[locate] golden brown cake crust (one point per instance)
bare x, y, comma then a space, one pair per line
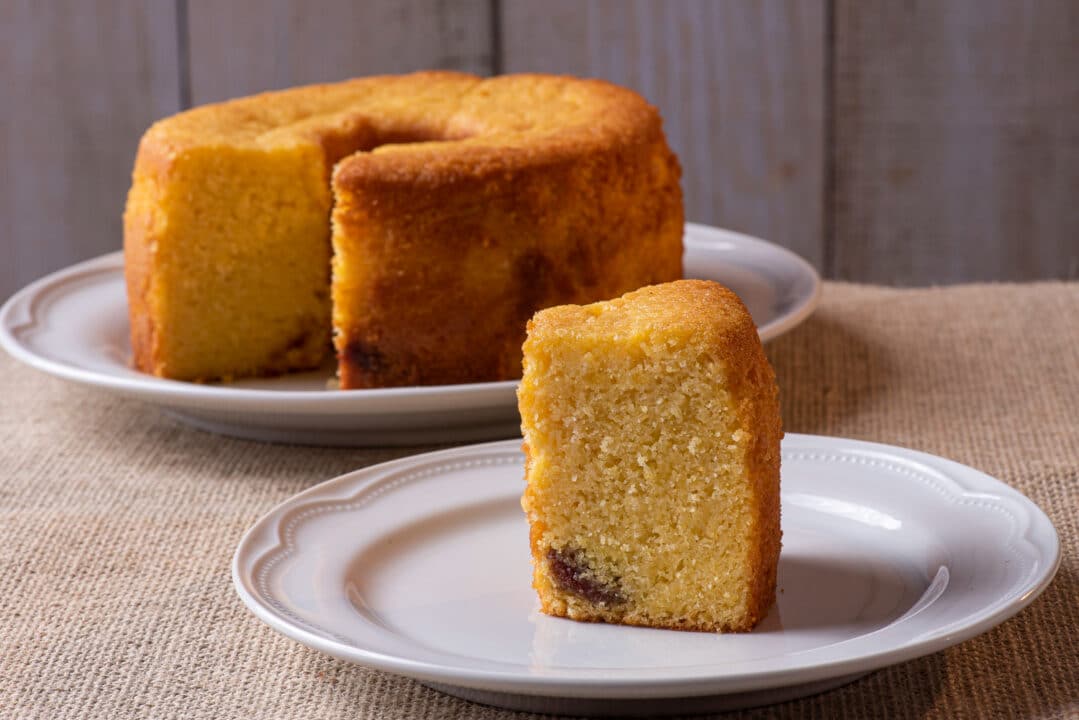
444, 250
461, 206
703, 321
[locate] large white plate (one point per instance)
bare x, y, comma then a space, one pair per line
74, 324
421, 567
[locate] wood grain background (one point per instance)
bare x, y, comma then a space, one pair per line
908, 143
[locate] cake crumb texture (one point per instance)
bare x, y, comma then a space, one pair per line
651, 431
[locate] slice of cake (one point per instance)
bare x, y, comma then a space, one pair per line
651, 427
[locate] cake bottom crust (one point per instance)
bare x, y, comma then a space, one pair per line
560, 609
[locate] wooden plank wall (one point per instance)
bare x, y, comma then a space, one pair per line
739, 84
245, 46
956, 140
79, 82
904, 143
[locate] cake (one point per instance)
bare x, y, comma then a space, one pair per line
417, 220
651, 435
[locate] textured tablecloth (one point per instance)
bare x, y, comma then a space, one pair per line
117, 524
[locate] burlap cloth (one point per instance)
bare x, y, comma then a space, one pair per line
117, 525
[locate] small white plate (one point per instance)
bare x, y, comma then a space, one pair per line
74, 324
421, 567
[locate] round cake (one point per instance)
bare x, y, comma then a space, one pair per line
418, 221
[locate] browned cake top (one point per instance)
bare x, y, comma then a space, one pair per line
701, 309
427, 124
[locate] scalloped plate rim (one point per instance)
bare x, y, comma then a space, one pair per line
1036, 531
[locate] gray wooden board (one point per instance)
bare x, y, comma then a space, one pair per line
956, 131
245, 46
740, 86
928, 142
81, 82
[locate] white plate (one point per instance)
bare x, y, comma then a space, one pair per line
74, 324
421, 567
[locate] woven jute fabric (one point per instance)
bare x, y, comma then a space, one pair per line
117, 524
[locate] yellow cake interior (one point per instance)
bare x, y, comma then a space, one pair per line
652, 462
245, 256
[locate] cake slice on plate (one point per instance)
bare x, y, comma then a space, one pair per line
651, 427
